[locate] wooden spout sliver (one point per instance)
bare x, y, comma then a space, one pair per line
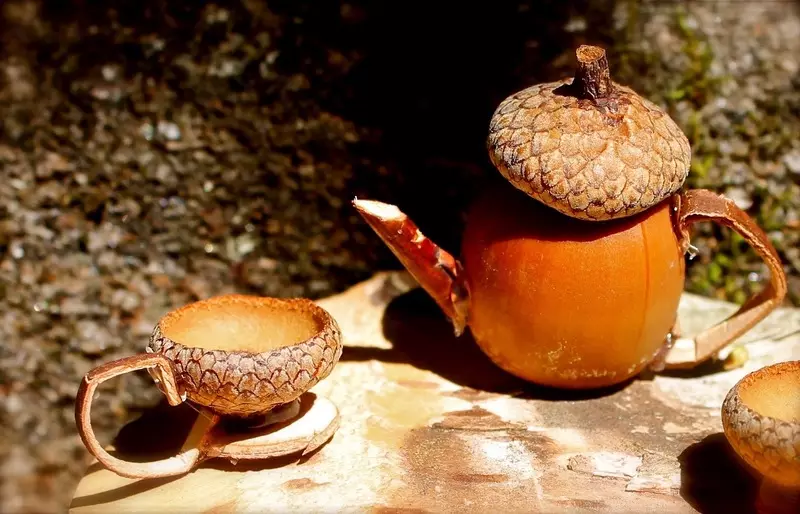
437, 271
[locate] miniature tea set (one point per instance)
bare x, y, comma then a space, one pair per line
571, 279
247, 364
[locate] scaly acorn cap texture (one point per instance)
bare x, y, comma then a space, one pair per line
245, 383
587, 146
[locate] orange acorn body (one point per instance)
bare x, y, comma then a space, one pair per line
563, 303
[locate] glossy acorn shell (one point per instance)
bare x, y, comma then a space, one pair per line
565, 303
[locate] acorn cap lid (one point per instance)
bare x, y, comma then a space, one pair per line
587, 146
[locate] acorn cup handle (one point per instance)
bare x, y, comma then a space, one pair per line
699, 205
182, 463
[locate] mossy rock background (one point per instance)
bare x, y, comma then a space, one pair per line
156, 152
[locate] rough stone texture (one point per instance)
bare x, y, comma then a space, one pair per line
157, 152
588, 161
428, 424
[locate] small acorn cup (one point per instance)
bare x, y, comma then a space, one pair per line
761, 421
588, 147
243, 356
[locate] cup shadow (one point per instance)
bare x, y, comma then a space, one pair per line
159, 433
120, 493
714, 479
423, 337
144, 439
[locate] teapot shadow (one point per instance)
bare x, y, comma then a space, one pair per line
423, 337
715, 480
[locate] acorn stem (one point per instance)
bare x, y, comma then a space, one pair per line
592, 78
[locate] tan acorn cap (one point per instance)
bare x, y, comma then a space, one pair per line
587, 146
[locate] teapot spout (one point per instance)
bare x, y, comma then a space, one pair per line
437, 271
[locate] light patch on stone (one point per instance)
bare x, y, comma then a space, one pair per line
511, 458
387, 286
506, 457
640, 429
495, 450
395, 406
444, 386
605, 464
512, 410
621, 406
672, 428
568, 439
654, 483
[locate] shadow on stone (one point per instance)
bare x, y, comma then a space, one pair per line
157, 434
714, 480
423, 337
125, 491
707, 368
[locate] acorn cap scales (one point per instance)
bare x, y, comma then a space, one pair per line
587, 146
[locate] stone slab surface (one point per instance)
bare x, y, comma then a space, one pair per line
430, 425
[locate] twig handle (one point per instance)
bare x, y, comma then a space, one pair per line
179, 464
698, 205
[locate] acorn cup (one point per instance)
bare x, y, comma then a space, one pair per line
247, 364
571, 273
761, 420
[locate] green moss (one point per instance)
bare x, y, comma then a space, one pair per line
715, 273
696, 83
685, 85
701, 168
664, 82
